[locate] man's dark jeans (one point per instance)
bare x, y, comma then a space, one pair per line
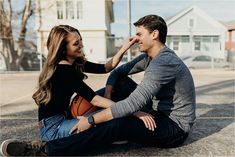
167, 134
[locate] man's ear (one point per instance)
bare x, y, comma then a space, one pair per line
155, 34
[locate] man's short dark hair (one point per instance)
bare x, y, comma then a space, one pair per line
154, 22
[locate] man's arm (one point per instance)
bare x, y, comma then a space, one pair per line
160, 73
134, 102
102, 116
156, 76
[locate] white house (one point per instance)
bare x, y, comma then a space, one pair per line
192, 32
91, 17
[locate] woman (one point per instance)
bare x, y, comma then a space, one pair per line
62, 76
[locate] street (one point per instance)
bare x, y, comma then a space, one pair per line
213, 133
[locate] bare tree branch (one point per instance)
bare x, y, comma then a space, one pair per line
9, 12
13, 58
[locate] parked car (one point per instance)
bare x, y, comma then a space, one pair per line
204, 62
31, 61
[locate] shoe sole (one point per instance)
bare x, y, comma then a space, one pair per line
3, 147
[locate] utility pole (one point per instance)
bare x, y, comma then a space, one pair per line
129, 26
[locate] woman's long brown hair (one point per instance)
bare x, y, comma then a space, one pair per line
56, 45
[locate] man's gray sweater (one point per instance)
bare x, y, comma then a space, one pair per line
167, 82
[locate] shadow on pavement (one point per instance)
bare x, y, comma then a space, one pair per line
201, 90
217, 116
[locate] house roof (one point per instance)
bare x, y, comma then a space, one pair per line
230, 25
199, 12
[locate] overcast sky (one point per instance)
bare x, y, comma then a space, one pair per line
221, 10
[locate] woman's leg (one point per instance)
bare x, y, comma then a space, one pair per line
49, 127
57, 126
67, 124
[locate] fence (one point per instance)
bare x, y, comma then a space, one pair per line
96, 49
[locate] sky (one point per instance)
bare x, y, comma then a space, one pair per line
221, 10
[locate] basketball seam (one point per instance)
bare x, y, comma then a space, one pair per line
78, 109
88, 111
79, 106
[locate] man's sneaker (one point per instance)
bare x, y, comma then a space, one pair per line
13, 147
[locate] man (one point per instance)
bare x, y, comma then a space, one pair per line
167, 85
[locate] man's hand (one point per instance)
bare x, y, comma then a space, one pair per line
82, 125
99, 117
147, 118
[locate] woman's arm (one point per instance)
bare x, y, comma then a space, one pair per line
134, 66
86, 92
101, 102
112, 63
106, 115
97, 68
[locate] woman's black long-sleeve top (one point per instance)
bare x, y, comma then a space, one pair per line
64, 83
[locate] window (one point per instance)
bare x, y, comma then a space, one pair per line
185, 39
197, 45
79, 10
169, 40
176, 45
197, 38
59, 5
69, 10
215, 39
206, 39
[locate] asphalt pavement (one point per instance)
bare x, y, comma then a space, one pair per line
213, 133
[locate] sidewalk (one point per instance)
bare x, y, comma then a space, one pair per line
213, 133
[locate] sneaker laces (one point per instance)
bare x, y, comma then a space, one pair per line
36, 147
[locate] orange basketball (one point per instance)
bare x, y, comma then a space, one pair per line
80, 106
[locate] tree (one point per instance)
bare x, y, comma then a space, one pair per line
13, 58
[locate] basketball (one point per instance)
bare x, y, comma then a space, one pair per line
80, 106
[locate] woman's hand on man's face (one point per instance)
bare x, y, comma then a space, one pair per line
129, 42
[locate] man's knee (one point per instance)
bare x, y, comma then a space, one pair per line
123, 88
